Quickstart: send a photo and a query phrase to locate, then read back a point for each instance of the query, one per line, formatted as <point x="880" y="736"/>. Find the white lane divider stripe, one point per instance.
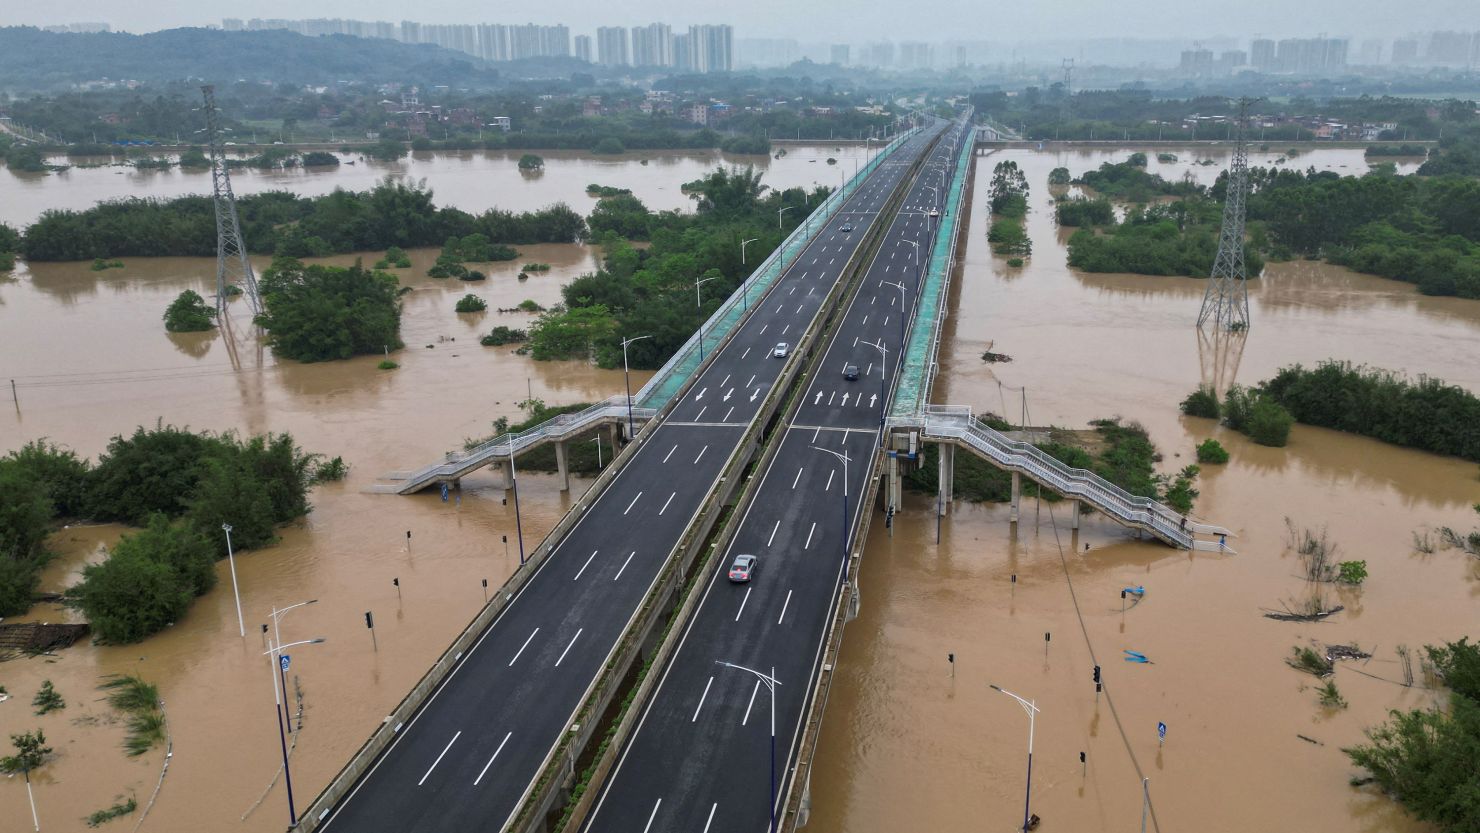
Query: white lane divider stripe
<point x="649" y="825"/>
<point x="753" y="693"/>
<point x="633" y="503"/>
<point x="784" y="606"/>
<point x="584" y="566"/>
<point x="695" y="718"/>
<point x="808" y="545"/>
<point x="773" y="533"/>
<point x="624" y="565"/>
<point x="495" y="755"/>
<point x="798" y="478"/>
<point x="670" y="452"/>
<point x="666" y="502"/>
<point x="525" y="645"/>
<point x="439" y="758"/>
<point x="828" y="487"/>
<point x="568" y="647"/>
<point x="712" y="808"/>
<point x="742" y="603"/>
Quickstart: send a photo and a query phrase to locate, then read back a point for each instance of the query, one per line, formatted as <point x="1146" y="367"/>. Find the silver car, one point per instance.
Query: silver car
<point x="742" y="568"/>
<point x="782" y="350"/>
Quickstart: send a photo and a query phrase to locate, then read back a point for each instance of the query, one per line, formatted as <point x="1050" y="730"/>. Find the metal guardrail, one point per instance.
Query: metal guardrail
<point x="505" y="445"/>
<point x="958" y="423"/>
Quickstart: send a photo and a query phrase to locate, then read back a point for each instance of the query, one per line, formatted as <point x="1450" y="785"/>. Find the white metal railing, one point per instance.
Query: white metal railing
<point x="957" y="422"/>
<point x="504" y="445"/>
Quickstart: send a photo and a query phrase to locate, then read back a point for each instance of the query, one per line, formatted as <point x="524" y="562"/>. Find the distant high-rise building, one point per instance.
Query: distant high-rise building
<point x="1405" y="50"/>
<point x="1369" y="54"/>
<point x="1455" y="49"/>
<point x="839" y="54"/>
<point x="878" y="54"/>
<point x="710" y="48"/>
<point x="611" y="46"/>
<point x="1196" y="62"/>
<point x="914" y="55"/>
<point x="410" y="31"/>
<point x="233" y="24"/>
<point x="1262" y="54"/>
<point x="583" y="48"/>
<point x="1232" y="60"/>
<point x="683" y="58"/>
<point x="652" y="45"/>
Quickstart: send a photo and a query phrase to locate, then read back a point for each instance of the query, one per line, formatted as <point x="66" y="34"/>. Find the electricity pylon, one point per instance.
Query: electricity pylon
<point x="1226" y="301"/>
<point x="232" y="266"/>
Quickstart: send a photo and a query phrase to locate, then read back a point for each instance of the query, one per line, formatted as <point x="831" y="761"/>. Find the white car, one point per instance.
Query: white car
<point x="781" y="350"/>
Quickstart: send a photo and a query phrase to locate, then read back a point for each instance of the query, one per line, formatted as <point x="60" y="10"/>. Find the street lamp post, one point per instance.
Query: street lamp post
<point x="277" y="636"/>
<point x="700" y="304"/>
<point x="514" y="482"/>
<point x="231" y="559"/>
<point x="901" y="288"/>
<point x="627" y="377"/>
<point x="275" y="652"/>
<point x="883" y="380"/>
<point x="842" y="456"/>
<point x="770" y="683"/>
<point x="779" y="213"/>
<point x="1032" y="710"/>
<point x="744" y="288"/>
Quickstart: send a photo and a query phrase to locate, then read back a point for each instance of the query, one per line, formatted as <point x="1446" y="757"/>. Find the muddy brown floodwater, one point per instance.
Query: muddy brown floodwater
<point x="906" y="747"/>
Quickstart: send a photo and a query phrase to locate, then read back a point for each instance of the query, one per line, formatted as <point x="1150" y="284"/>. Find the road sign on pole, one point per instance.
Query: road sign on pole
<point x="1161" y="732"/>
<point x="283" y="661"/>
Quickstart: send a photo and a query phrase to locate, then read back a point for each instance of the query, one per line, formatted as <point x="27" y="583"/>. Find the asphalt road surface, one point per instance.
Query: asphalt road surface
<point x="701" y="759"/>
<point x="467" y="758"/>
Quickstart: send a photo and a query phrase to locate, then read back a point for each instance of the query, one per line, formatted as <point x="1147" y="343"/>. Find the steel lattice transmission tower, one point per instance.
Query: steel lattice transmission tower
<point x="232" y="265"/>
<point x="1226" y="302"/>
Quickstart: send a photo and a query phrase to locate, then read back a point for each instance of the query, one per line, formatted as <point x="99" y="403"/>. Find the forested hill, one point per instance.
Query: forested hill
<point x="33" y="60"/>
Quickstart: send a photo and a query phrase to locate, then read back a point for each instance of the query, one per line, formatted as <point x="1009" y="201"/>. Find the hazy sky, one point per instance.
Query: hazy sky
<point x="821" y="20"/>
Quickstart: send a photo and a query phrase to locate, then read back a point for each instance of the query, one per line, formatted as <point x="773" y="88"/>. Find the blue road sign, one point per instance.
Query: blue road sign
<point x="283" y="661"/>
<point x="1161" y="728"/>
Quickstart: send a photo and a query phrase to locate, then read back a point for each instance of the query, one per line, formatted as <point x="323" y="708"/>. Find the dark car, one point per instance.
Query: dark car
<point x="850" y="372"/>
<point x="847" y="227"/>
<point x="742" y="568"/>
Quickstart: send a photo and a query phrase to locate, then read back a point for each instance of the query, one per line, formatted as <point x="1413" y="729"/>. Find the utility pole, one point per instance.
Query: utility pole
<point x="232" y="265"/>
<point x="1226" y="301"/>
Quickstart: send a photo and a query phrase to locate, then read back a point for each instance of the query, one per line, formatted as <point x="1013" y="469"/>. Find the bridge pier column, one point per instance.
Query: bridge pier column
<point x="506" y="470"/>
<point x="1074" y="513"/>
<point x="562" y="464"/>
<point x="1017" y="497"/>
<point x="614" y="433"/>
<point x="947" y="472"/>
<point x="894" y="485"/>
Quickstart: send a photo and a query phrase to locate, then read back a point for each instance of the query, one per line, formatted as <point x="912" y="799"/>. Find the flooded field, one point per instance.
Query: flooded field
<point x="906" y="746"/>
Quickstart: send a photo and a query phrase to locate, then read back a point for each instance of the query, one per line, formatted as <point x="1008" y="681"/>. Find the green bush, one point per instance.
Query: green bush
<point x="318" y="313"/>
<point x="609" y="145"/>
<point x="530" y="162"/>
<point x="395" y="258"/>
<point x="47" y="699"/>
<point x="188" y="313"/>
<point x="1269" y="423"/>
<point x="501" y="335"/>
<point x="1351" y="572"/>
<point x="320" y="159"/>
<point x="58" y="471"/>
<point x="387" y="364"/>
<point x="1008" y="237"/>
<point x="1330" y="697"/>
<point x="1085" y="212"/>
<point x="471" y="303"/>
<point x="1202" y="402"/>
<point x="1211" y="451"/>
<point x="130" y="595"/>
<point x="1015" y="262"/>
<point x="119" y="808"/>
<point x="1059" y="176"/>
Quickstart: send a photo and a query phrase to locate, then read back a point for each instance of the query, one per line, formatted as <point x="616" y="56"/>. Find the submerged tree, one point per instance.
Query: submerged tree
<point x="188" y="313"/>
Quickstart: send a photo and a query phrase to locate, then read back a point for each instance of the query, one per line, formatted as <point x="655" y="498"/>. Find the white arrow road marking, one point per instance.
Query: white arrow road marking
<point x="727" y="394"/>
<point x="754" y="394"/>
<point x="873" y="399"/>
<point x="818" y="400"/>
<point x="845" y="400"/>
<point x="700" y="394"/>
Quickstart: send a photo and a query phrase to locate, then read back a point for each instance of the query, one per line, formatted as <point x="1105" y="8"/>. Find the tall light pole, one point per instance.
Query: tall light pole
<point x="770" y="683"/>
<point x="514" y="482"/>
<point x="628" y="378"/>
<point x="745" y="289"/>
<point x="1032" y="711"/>
<point x="883" y="379"/>
<point x="277" y="636"/>
<point x="779" y="213"/>
<point x="842" y="456"/>
<point x="700" y="304"/>
<point x="901" y="288"/>
<point x="231" y="559"/>
<point x="275" y="652"/>
<point x="914" y="257"/>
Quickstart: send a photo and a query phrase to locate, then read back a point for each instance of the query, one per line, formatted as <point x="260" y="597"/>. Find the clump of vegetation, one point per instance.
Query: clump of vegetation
<point x="1131" y="183"/>
<point x="1211" y="451"/>
<point x="395" y="258"/>
<point x="1396" y="150"/>
<point x="320" y="159"/>
<point x="582" y="455"/>
<point x="1427" y="413"/>
<point x="1015" y="262"/>
<point x="530" y="305"/>
<point x="1176" y="490"/>
<point x="1425" y="757"/>
<point x="471" y="303"/>
<point x="1469" y="543"/>
<point x="502" y="335"/>
<point x="47" y="699"/>
<point x="1166" y="157"/>
<point x="535" y="267"/>
<point x="387" y="364"/>
<point x="1137" y="160"/>
<point x="472" y="275"/>
<point x="147" y="581"/>
<point x="326" y="471"/>
<point x="1330" y="697"/>
<point x="1008" y="237"/>
<point x="1059" y="176"/>
<point x="101" y="264"/>
<point x="1177" y="238"/>
<point x="1202" y="402"/>
<point x="531" y="162"/>
<point x="609" y="145"/>
<point x="120" y="808"/>
<point x="318" y="313"/>
<point x="1310" y="661"/>
<point x="139" y="701"/>
<point x="188" y="313"/>
<point x="1082" y="211"/>
<point x="1249" y="411"/>
<point x="1351" y="572"/>
<point x="10" y="243"/>
<point x="605" y="191"/>
<point x="1007" y="193"/>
